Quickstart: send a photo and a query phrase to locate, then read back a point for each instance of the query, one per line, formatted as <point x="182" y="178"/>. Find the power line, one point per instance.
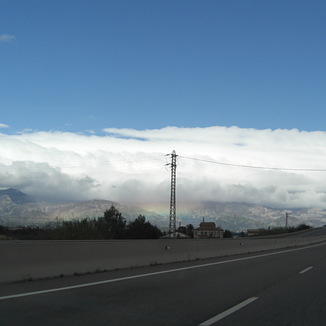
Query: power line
<point x="253" y="166"/>
<point x="122" y="164"/>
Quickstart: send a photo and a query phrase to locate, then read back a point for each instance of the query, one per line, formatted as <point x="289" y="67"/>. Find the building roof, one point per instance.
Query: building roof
<point x="208" y="226"/>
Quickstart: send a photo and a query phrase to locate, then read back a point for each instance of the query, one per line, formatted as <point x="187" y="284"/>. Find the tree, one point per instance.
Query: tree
<point x="140" y="229"/>
<point x="227" y="234"/>
<point x="113" y="224"/>
<point x="190" y="230"/>
<point x="302" y="227"/>
<point x="77" y="230"/>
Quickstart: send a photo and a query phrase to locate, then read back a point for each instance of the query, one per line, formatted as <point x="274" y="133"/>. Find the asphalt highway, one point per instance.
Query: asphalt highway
<point x="275" y="288"/>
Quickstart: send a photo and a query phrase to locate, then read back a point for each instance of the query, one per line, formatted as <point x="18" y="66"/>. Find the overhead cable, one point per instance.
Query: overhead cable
<point x="253" y="166"/>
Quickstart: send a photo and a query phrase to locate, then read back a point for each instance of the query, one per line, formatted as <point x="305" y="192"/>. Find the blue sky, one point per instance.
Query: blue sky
<point x="83" y="65"/>
<point x="95" y="93"/>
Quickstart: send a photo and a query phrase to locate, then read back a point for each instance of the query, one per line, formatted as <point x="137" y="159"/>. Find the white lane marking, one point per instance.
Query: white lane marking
<point x="306" y="270"/>
<point x="71" y="287"/>
<point x="228" y="312"/>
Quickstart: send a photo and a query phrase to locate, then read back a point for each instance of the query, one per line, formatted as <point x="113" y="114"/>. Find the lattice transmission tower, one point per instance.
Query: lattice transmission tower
<point x="172" y="224"/>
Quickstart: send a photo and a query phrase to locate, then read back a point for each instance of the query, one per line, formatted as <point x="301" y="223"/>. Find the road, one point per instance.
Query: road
<point x="275" y="288"/>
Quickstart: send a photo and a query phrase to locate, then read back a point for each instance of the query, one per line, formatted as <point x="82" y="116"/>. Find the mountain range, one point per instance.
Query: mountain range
<point x="242" y="216"/>
<point x="17" y="208"/>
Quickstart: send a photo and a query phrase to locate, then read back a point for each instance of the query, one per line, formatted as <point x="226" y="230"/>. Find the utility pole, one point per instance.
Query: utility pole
<point x="172" y="224"/>
<point x="286" y="220"/>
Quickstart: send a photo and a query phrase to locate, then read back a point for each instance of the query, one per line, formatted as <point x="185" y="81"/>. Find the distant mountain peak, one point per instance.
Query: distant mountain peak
<point x="16" y="196"/>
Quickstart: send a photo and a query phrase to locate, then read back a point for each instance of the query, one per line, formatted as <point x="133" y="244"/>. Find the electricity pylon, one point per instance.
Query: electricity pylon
<point x="172" y="224"/>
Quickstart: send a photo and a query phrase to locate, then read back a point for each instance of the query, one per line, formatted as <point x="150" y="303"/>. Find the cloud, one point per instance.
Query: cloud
<point x="131" y="166"/>
<point x="6" y="37"/>
<point x="2" y="125"/>
<point x="45" y="182"/>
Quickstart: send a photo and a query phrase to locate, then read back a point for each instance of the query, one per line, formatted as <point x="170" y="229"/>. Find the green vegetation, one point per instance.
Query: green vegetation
<point x="227" y="234"/>
<point x="110" y="226"/>
<point x="282" y="230"/>
<point x="187" y="230"/>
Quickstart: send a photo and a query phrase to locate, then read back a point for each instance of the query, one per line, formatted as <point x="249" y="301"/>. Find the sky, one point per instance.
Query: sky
<point x="94" y="94"/>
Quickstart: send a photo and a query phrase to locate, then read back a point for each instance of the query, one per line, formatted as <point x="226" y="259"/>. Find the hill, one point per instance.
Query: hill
<point x="17" y="208"/>
<point x="16" y="196"/>
<point x="242" y="216"/>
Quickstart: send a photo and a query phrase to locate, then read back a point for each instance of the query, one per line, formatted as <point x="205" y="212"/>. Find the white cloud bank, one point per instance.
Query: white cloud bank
<point x="129" y="166"/>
